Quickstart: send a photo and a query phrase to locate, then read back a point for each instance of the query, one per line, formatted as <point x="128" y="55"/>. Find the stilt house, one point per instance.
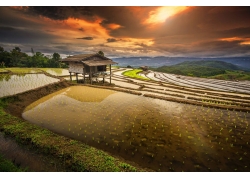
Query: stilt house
<point x="90" y="66"/>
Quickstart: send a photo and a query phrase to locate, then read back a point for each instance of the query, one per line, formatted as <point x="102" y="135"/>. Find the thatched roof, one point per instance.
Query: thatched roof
<point x="83" y="57"/>
<point x="98" y="62"/>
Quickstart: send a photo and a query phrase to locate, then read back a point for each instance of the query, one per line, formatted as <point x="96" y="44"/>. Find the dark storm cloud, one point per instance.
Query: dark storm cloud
<point x="86" y="38"/>
<point x="6" y="28"/>
<point x="25" y="36"/>
<point x="195" y="31"/>
<point x="223" y="46"/>
<point x="110" y="40"/>
<point x="225" y="18"/>
<point x="49" y="30"/>
<point x="104" y="23"/>
<point x="239" y="32"/>
<point x="13" y="18"/>
<point x="207" y="48"/>
<point x="60" y="12"/>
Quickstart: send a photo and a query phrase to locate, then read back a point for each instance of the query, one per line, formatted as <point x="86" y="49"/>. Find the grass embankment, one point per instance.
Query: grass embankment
<point x="75" y="155"/>
<point x="23" y="70"/>
<point x="233" y="75"/>
<point x="3" y="70"/>
<point x="8" y="166"/>
<point x="134" y="74"/>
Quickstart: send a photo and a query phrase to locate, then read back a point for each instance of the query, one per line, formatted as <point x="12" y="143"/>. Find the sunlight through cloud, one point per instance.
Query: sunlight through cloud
<point x="162" y="13"/>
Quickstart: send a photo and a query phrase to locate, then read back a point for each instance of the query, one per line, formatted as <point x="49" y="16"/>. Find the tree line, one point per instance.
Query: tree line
<point x="17" y="58"/>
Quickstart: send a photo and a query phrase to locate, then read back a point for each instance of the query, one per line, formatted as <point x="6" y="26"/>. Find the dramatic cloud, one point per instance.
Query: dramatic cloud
<point x="128" y="31"/>
<point x="109" y="40"/>
<point x="5" y="28"/>
<point x="86" y="38"/>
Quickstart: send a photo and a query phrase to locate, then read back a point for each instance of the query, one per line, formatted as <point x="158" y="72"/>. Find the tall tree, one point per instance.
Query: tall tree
<point x="1" y="49"/>
<point x="32" y="51"/>
<point x="5" y="57"/>
<point x="18" y="49"/>
<point x="56" y="56"/>
<point x="15" y="56"/>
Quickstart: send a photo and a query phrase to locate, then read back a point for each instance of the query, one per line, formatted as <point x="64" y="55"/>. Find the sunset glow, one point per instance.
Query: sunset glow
<point x="162" y="13"/>
<point x="128" y="30"/>
<point x="243" y="41"/>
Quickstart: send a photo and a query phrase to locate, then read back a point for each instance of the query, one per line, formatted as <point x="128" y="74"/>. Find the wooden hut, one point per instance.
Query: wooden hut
<point x="144" y="68"/>
<point x="89" y="65"/>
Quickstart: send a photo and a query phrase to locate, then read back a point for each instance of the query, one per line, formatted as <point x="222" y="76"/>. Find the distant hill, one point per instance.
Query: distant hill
<point x="155" y="62"/>
<point x="199" y="68"/>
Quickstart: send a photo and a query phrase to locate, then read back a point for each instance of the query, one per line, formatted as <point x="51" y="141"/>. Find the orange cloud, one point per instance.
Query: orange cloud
<point x="113" y="26"/>
<point x="162" y="13"/>
<point x="131" y="43"/>
<point x="243" y="41"/>
<point x="68" y="30"/>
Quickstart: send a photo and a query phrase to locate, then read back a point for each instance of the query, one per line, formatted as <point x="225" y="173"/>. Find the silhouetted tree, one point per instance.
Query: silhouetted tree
<point x="101" y="53"/>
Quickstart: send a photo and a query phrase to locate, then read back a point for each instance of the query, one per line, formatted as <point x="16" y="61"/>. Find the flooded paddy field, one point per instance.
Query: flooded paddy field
<point x="23" y="70"/>
<point x="220" y="85"/>
<point x="56" y="71"/>
<point x="13" y="84"/>
<point x="156" y="134"/>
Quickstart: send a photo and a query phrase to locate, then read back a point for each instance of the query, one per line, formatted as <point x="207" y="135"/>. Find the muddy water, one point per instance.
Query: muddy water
<point x="27" y="159"/>
<point x="161" y="135"/>
<point x="13" y="84"/>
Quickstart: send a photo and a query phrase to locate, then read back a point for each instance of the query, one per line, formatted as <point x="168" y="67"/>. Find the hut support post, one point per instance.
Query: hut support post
<point x="84" y="75"/>
<point x="77" y="77"/>
<point x="90" y="75"/>
<point x="70" y="76"/>
<point x="110" y="73"/>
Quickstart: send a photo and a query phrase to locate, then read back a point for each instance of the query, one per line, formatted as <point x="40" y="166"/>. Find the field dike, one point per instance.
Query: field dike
<point x="75" y="155"/>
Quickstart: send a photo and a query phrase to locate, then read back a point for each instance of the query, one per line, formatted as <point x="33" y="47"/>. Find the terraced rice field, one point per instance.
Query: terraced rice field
<point x="213" y="84"/>
<point x="23" y="70"/>
<point x="174" y="123"/>
<point x="157" y="134"/>
<point x="14" y="84"/>
<point x="208" y="92"/>
<point x="56" y="71"/>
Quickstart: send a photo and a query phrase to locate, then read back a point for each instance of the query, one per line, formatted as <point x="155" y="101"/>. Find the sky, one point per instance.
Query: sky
<point x="125" y="31"/>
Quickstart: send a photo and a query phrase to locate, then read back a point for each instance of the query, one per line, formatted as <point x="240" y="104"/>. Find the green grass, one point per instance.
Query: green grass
<point x="79" y="156"/>
<point x="210" y="69"/>
<point x="115" y="67"/>
<point x="23" y="70"/>
<point x="134" y="74"/>
<point x="8" y="166"/>
<point x="3" y="70"/>
<point x="233" y="75"/>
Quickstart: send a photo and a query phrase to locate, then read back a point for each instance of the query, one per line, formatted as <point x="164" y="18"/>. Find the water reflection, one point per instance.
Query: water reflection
<point x="56" y="71"/>
<point x="161" y="135"/>
<point x="13" y="84"/>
